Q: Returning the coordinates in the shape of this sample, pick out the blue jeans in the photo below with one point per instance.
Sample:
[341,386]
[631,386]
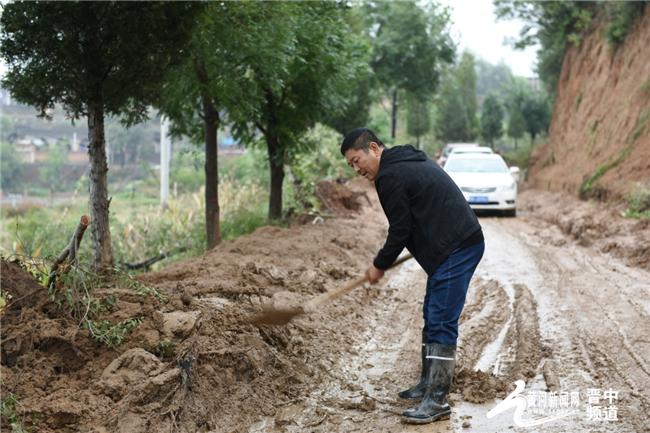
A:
[446,291]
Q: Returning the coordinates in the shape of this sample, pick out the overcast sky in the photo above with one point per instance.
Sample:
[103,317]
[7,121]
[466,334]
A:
[476,28]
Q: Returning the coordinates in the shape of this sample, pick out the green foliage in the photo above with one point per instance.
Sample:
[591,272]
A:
[621,16]
[519,157]
[187,170]
[516,124]
[465,74]
[142,228]
[164,350]
[97,56]
[129,143]
[639,126]
[418,118]
[57,156]
[639,203]
[9,412]
[578,100]
[552,24]
[10,167]
[586,188]
[251,166]
[322,163]
[537,113]
[111,334]
[410,45]
[452,124]
[491,119]
[491,78]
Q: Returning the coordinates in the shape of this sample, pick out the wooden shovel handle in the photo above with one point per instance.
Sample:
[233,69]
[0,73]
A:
[342,290]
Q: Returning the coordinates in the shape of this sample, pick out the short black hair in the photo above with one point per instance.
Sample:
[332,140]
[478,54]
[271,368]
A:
[359,138]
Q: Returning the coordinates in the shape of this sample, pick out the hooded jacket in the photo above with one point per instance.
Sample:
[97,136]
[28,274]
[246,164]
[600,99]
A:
[427,213]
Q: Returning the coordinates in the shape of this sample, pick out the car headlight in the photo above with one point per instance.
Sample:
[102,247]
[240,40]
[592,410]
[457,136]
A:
[510,186]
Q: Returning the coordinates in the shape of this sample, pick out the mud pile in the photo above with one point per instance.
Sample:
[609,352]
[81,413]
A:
[591,224]
[194,363]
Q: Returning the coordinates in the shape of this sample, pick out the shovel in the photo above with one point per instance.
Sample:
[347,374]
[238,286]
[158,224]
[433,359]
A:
[282,316]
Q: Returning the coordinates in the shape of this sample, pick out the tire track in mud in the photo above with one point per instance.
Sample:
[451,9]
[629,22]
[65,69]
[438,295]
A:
[604,302]
[483,317]
[520,353]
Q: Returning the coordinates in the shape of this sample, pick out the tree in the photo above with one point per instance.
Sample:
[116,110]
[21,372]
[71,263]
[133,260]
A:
[361,87]
[94,58]
[127,143]
[536,111]
[451,122]
[11,167]
[419,117]
[410,45]
[307,76]
[552,24]
[491,120]
[229,37]
[516,124]
[491,79]
[466,77]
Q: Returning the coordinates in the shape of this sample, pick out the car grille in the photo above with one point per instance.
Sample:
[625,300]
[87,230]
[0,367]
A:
[477,189]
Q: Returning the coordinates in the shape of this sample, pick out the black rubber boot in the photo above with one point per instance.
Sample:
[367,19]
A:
[440,362]
[418,390]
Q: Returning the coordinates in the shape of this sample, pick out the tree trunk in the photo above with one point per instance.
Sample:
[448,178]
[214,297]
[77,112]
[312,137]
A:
[99,202]
[394,114]
[211,118]
[276,166]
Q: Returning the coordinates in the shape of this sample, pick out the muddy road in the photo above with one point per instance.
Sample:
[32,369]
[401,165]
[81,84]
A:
[554,304]
[572,323]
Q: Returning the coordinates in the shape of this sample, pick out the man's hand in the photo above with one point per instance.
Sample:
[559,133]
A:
[374,274]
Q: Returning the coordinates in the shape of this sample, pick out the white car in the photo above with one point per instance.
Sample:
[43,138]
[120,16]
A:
[485,180]
[471,149]
[449,147]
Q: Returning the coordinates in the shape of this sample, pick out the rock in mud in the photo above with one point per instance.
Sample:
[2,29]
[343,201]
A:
[178,323]
[288,414]
[131,369]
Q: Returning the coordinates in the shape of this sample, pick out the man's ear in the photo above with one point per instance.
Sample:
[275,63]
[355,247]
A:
[374,147]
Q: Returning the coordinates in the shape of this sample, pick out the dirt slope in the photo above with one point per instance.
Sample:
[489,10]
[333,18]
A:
[601,118]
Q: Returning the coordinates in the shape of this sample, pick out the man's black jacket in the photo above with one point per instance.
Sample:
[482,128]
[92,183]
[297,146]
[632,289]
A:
[426,211]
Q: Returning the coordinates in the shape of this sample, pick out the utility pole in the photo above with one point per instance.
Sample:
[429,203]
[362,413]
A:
[165,153]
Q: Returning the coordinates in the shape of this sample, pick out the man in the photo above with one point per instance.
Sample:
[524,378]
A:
[429,216]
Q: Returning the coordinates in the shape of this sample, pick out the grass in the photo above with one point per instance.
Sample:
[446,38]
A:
[639,204]
[140,228]
[8,410]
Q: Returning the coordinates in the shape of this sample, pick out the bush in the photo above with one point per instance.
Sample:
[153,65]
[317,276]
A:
[324,161]
[621,16]
[639,203]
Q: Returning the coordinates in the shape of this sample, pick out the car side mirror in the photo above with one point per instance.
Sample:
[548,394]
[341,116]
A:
[514,171]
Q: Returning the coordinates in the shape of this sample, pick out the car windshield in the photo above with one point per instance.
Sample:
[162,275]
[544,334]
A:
[466,165]
[450,150]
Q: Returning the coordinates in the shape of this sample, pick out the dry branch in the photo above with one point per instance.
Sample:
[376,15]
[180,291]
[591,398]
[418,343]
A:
[146,264]
[68,256]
